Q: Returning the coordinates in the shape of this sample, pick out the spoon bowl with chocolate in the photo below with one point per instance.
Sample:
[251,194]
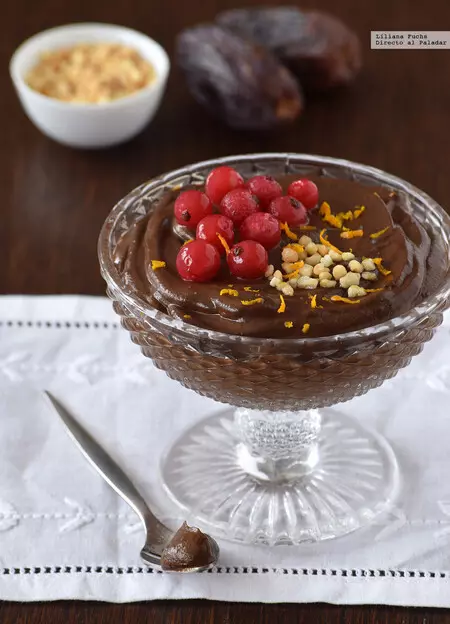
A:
[281,285]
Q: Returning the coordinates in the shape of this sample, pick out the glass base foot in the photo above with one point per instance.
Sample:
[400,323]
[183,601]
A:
[345,481]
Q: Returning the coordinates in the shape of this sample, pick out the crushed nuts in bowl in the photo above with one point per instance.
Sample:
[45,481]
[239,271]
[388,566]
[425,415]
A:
[91,72]
[90,85]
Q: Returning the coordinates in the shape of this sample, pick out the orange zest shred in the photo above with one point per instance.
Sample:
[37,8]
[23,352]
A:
[224,242]
[372,290]
[380,267]
[191,240]
[392,194]
[229,291]
[296,247]
[288,232]
[305,328]
[288,324]
[250,289]
[326,242]
[158,264]
[344,299]
[296,267]
[377,194]
[308,227]
[352,234]
[346,216]
[249,302]
[282,307]
[380,232]
[187,316]
[358,212]
[230,286]
[328,216]
[313,299]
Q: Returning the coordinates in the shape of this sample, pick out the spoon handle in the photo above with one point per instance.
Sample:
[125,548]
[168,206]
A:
[111,473]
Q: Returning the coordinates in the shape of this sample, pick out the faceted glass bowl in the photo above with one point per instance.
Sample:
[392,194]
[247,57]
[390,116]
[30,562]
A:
[278,383]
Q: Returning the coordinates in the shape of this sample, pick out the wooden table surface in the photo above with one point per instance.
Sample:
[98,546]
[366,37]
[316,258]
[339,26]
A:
[55,199]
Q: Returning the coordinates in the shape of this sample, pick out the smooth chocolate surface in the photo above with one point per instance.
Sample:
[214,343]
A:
[416,263]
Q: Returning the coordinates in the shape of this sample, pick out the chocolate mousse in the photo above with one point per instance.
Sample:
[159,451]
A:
[359,259]
[189,548]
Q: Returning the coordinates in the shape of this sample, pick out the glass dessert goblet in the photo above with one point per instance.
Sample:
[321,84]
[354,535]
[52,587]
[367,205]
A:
[279,466]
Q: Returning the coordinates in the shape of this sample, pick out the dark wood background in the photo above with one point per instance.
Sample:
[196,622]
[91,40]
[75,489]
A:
[54,199]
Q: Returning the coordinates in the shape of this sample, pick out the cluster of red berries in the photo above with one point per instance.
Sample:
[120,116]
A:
[255,208]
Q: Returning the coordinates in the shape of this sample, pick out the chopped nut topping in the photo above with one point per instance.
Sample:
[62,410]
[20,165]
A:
[351,279]
[311,249]
[289,255]
[339,271]
[275,282]
[327,260]
[356,291]
[368,275]
[327,283]
[306,271]
[355,266]
[287,290]
[318,269]
[314,259]
[368,264]
[347,256]
[305,240]
[270,270]
[307,282]
[91,73]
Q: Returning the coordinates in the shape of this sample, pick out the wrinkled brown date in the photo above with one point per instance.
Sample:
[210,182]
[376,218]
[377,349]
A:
[234,79]
[317,47]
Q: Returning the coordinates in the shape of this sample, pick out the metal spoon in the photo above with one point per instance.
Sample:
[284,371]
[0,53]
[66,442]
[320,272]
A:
[158,536]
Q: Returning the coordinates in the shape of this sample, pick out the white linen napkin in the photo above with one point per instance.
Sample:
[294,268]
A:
[65,534]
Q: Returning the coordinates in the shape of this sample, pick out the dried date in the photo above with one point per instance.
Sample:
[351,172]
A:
[316,46]
[238,81]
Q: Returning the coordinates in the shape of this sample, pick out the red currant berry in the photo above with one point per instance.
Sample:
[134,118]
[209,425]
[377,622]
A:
[248,260]
[239,204]
[220,181]
[214,224]
[288,210]
[191,206]
[198,261]
[265,188]
[305,191]
[262,228]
